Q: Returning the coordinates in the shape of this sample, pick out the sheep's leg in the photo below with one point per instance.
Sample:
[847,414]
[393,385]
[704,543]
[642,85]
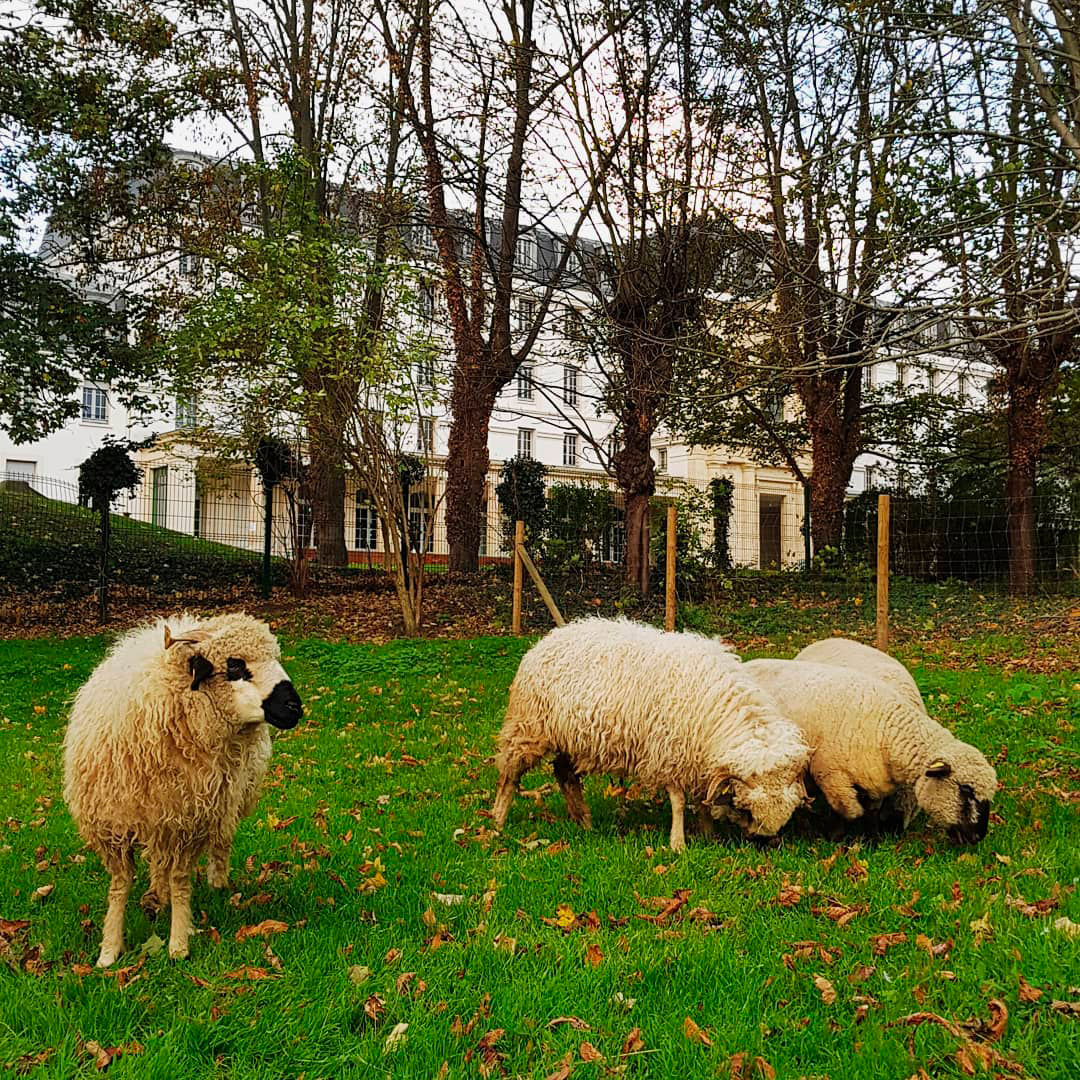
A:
[180,898]
[705,821]
[121,867]
[840,792]
[217,860]
[678,805]
[511,770]
[157,896]
[573,793]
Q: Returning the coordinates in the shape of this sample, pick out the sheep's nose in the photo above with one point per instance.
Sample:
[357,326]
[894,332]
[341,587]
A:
[283,707]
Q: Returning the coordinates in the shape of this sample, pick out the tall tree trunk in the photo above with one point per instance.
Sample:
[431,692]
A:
[1026,434]
[472,401]
[834,447]
[327,484]
[636,476]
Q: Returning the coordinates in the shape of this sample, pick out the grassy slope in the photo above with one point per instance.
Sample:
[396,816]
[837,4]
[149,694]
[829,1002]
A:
[355,799]
[44,542]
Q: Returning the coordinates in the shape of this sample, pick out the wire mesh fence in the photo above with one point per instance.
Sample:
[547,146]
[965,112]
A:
[191,529]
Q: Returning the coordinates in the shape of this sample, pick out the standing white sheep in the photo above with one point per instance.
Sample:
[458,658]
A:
[674,710]
[845,653]
[868,742]
[166,750]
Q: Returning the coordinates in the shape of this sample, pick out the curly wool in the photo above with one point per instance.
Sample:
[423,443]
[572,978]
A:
[674,710]
[151,762]
[845,653]
[866,737]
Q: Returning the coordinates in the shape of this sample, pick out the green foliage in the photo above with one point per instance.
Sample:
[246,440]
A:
[275,461]
[521,496]
[108,471]
[722,494]
[693,551]
[580,518]
[412,470]
[87,92]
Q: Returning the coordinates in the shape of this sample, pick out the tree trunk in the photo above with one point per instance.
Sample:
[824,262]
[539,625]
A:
[471,403]
[1025,426]
[636,476]
[327,493]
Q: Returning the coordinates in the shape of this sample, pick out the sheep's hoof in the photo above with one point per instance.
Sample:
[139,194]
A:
[151,905]
[108,957]
[178,952]
[217,879]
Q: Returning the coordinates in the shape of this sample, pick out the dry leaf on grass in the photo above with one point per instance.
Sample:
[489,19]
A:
[1029,992]
[396,1038]
[574,1021]
[264,929]
[789,895]
[839,912]
[250,974]
[1067,926]
[589,1053]
[881,943]
[633,1043]
[593,955]
[828,991]
[1066,1008]
[695,1033]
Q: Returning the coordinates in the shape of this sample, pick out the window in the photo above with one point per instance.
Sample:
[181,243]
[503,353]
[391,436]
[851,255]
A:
[570,384]
[420,520]
[525,382]
[95,405]
[868,377]
[525,442]
[366,523]
[772,405]
[159,489]
[425,435]
[305,525]
[524,314]
[189,265]
[425,370]
[527,253]
[871,478]
[20,470]
[427,302]
[901,375]
[612,446]
[935,380]
[423,238]
[661,459]
[569,450]
[185,412]
[961,386]
[572,325]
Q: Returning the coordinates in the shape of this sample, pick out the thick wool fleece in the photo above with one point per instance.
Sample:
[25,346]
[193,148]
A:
[866,739]
[150,762]
[842,652]
[674,710]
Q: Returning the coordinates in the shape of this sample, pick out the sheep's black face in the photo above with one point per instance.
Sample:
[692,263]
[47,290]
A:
[973,817]
[283,707]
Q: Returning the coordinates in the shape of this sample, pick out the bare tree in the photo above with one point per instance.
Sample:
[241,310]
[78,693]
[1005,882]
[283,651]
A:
[479,90]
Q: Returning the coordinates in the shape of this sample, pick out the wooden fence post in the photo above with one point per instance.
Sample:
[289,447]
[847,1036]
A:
[882,627]
[519,543]
[669,611]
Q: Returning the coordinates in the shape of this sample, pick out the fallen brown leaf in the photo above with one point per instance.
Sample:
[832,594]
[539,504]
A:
[593,955]
[589,1053]
[1029,992]
[263,929]
[250,974]
[563,1069]
[840,913]
[828,991]
[789,895]
[764,1069]
[1066,1008]
[883,942]
[374,1007]
[695,1033]
[574,1021]
[633,1043]
[861,974]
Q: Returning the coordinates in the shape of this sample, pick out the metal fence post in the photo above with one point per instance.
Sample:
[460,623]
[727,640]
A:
[268,522]
[103,576]
[882,622]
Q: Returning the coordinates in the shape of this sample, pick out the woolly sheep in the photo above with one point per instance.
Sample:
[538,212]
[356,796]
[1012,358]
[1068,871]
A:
[868,742]
[675,710]
[842,652]
[166,750]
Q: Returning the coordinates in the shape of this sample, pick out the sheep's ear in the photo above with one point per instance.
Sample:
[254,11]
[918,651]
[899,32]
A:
[721,784]
[190,637]
[939,769]
[201,669]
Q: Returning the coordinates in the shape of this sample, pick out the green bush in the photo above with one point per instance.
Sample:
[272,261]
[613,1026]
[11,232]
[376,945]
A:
[520,492]
[580,520]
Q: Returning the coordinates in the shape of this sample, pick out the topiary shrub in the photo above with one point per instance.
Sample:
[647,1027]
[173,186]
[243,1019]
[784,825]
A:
[521,496]
[580,518]
[108,471]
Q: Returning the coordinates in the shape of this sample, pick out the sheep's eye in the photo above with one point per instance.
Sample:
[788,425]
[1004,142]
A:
[235,668]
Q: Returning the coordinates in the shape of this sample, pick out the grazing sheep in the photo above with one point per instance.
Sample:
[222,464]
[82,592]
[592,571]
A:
[674,710]
[166,750]
[842,652]
[868,742]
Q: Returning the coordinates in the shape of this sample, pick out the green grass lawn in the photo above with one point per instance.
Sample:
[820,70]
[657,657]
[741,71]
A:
[373,844]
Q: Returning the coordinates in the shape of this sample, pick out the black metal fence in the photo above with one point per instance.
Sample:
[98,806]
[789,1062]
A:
[189,533]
